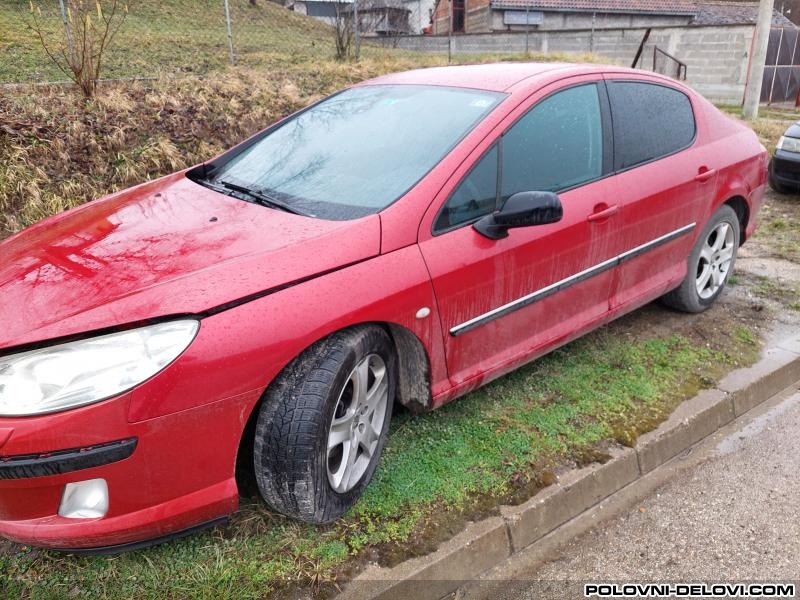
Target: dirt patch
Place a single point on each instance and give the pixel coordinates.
(778, 233)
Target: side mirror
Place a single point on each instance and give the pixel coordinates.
(523, 209)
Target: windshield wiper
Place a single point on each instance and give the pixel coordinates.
(260, 197)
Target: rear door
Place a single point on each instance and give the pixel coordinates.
(502, 300)
(666, 182)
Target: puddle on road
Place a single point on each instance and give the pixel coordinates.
(736, 440)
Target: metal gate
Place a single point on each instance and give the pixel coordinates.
(782, 68)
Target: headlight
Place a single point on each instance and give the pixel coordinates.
(79, 373)
(788, 144)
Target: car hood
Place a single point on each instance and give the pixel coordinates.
(167, 247)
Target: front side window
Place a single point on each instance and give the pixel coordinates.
(474, 197)
(650, 121)
(357, 152)
(557, 145)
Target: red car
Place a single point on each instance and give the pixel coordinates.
(406, 240)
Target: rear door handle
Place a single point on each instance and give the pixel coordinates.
(704, 174)
(603, 214)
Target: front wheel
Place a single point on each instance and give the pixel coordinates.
(323, 424)
(710, 264)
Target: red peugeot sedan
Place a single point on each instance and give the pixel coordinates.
(405, 240)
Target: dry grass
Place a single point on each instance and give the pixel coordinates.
(769, 130)
(57, 152)
(770, 124)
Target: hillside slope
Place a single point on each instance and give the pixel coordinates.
(174, 36)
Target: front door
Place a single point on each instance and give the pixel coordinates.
(501, 301)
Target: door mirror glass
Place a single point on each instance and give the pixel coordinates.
(524, 209)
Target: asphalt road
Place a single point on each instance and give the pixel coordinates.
(727, 511)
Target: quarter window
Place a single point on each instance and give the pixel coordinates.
(650, 121)
(557, 145)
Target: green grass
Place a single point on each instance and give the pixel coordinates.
(437, 469)
(174, 36)
(189, 37)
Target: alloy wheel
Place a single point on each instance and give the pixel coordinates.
(715, 260)
(357, 423)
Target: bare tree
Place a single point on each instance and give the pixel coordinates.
(89, 27)
(386, 18)
(343, 30)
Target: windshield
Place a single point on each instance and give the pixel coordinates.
(356, 152)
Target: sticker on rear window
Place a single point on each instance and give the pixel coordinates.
(481, 103)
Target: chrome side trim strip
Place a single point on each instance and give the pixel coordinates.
(568, 282)
(659, 241)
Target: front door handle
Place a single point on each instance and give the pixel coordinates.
(704, 174)
(602, 212)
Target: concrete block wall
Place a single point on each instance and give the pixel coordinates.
(478, 18)
(716, 56)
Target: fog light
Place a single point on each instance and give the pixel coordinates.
(85, 500)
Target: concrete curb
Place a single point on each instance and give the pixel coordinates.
(488, 543)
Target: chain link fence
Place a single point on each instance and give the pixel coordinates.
(164, 36)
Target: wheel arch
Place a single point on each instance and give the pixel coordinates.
(413, 392)
(742, 210)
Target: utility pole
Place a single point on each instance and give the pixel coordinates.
(358, 34)
(527, 29)
(755, 70)
(450, 32)
(230, 32)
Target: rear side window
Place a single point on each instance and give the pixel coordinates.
(650, 121)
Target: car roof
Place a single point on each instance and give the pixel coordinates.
(496, 77)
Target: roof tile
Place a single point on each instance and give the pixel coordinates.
(734, 13)
(658, 7)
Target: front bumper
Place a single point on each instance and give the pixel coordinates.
(784, 168)
(177, 474)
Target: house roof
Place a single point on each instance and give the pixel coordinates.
(734, 13)
(651, 7)
(704, 12)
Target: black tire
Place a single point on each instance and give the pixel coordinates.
(291, 436)
(685, 297)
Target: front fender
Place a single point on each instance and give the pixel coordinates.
(242, 349)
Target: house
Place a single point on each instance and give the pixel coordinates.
(383, 17)
(421, 12)
(322, 10)
(376, 17)
(485, 16)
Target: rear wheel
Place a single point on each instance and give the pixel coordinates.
(323, 424)
(710, 264)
